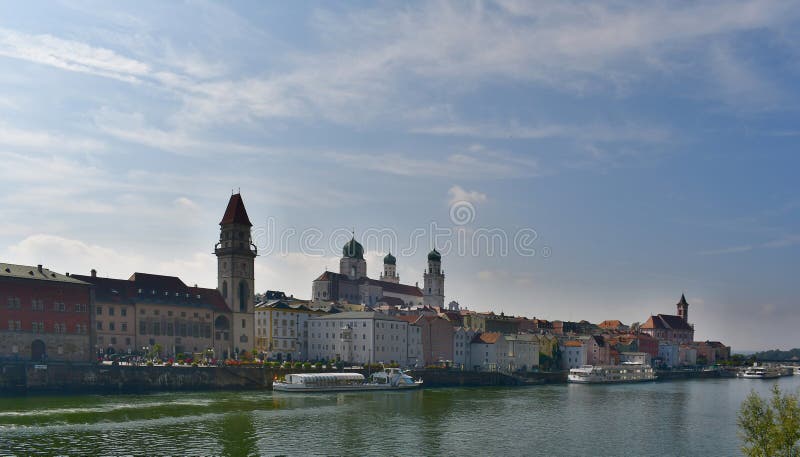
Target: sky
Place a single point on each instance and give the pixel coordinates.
(571, 160)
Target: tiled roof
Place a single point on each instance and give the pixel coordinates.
(599, 340)
(156, 289)
(360, 315)
(9, 270)
(666, 322)
(409, 318)
(611, 324)
(487, 337)
(235, 213)
(386, 286)
(573, 344)
(111, 290)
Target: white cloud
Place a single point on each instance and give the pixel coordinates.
(459, 194)
(70, 55)
(41, 140)
(728, 250)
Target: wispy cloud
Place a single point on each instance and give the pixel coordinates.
(728, 250)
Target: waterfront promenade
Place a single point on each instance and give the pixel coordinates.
(676, 418)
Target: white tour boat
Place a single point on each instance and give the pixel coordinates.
(598, 374)
(388, 379)
(761, 372)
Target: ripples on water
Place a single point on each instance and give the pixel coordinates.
(674, 418)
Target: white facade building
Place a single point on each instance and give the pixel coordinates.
(573, 355)
(461, 347)
(492, 351)
(364, 337)
(669, 353)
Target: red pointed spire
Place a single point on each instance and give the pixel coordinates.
(235, 212)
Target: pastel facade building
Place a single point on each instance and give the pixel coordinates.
(462, 354)
(573, 354)
(493, 351)
(669, 354)
(363, 337)
(282, 329)
(44, 315)
(597, 351)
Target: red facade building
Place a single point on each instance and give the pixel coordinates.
(44, 315)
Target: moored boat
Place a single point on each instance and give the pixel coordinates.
(761, 372)
(388, 379)
(600, 374)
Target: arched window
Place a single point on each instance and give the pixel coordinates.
(225, 289)
(243, 291)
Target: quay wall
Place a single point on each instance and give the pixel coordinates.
(85, 377)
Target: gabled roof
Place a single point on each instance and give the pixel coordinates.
(573, 344)
(155, 289)
(410, 318)
(235, 213)
(612, 324)
(666, 322)
(9, 270)
(599, 340)
(395, 288)
(487, 337)
(110, 290)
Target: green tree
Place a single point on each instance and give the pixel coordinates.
(770, 427)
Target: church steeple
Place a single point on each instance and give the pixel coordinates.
(235, 277)
(683, 308)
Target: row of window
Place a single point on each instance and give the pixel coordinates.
(39, 327)
(112, 326)
(38, 305)
(170, 329)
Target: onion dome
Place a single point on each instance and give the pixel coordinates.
(434, 256)
(389, 259)
(353, 250)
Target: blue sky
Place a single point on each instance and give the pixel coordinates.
(652, 148)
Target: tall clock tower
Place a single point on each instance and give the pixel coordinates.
(235, 279)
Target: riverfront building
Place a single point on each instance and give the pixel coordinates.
(672, 328)
(43, 315)
(364, 337)
(145, 310)
(492, 351)
(282, 326)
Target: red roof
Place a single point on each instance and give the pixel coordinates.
(235, 212)
(487, 338)
(409, 318)
(666, 322)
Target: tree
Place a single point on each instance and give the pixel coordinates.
(770, 427)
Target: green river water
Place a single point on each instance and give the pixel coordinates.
(679, 418)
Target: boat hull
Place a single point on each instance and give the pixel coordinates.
(283, 387)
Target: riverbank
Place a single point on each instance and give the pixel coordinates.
(20, 378)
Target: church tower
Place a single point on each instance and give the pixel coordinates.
(683, 309)
(390, 269)
(235, 263)
(352, 263)
(433, 292)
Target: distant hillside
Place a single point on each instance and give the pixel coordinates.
(775, 354)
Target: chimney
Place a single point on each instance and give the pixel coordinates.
(94, 273)
(39, 267)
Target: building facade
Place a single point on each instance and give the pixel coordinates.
(573, 354)
(672, 328)
(282, 328)
(362, 337)
(44, 316)
(351, 284)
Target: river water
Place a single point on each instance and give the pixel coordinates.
(678, 418)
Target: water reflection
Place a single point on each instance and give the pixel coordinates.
(675, 418)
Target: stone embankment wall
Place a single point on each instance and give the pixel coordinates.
(73, 377)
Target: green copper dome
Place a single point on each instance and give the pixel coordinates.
(353, 250)
(434, 256)
(389, 259)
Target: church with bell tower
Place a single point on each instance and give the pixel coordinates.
(236, 255)
(434, 280)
